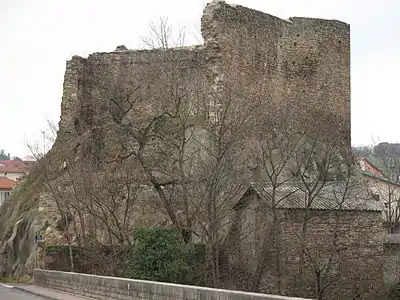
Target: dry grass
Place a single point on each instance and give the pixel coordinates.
(10, 279)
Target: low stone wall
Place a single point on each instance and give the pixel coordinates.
(102, 287)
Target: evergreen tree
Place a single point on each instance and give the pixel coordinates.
(4, 155)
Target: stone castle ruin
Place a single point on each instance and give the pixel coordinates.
(122, 113)
(300, 62)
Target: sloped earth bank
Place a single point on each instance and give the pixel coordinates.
(18, 217)
(20, 222)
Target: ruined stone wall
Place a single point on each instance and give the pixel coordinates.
(95, 108)
(257, 61)
(302, 63)
(94, 86)
(247, 56)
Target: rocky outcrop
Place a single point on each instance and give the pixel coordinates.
(18, 222)
(23, 218)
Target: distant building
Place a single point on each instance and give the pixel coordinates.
(14, 169)
(382, 189)
(6, 186)
(368, 168)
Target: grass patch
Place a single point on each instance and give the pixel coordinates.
(11, 279)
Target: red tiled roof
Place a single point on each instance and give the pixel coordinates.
(6, 183)
(370, 167)
(13, 166)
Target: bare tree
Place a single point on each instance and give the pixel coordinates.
(89, 207)
(163, 36)
(103, 199)
(39, 147)
(276, 148)
(164, 133)
(293, 163)
(181, 145)
(329, 258)
(388, 187)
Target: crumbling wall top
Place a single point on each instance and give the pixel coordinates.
(220, 9)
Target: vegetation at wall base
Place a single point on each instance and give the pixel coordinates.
(160, 255)
(11, 279)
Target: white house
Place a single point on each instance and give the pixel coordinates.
(14, 169)
(6, 185)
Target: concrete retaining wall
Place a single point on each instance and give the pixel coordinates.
(102, 287)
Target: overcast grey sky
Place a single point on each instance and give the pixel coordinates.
(38, 36)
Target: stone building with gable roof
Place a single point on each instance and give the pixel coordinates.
(329, 244)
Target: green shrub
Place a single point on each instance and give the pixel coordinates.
(160, 255)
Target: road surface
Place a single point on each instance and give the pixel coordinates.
(33, 292)
(7, 293)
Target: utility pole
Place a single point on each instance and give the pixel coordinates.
(44, 142)
(38, 238)
(35, 252)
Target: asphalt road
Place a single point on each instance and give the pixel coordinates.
(12, 294)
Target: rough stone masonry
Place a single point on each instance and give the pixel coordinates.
(301, 62)
(248, 56)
